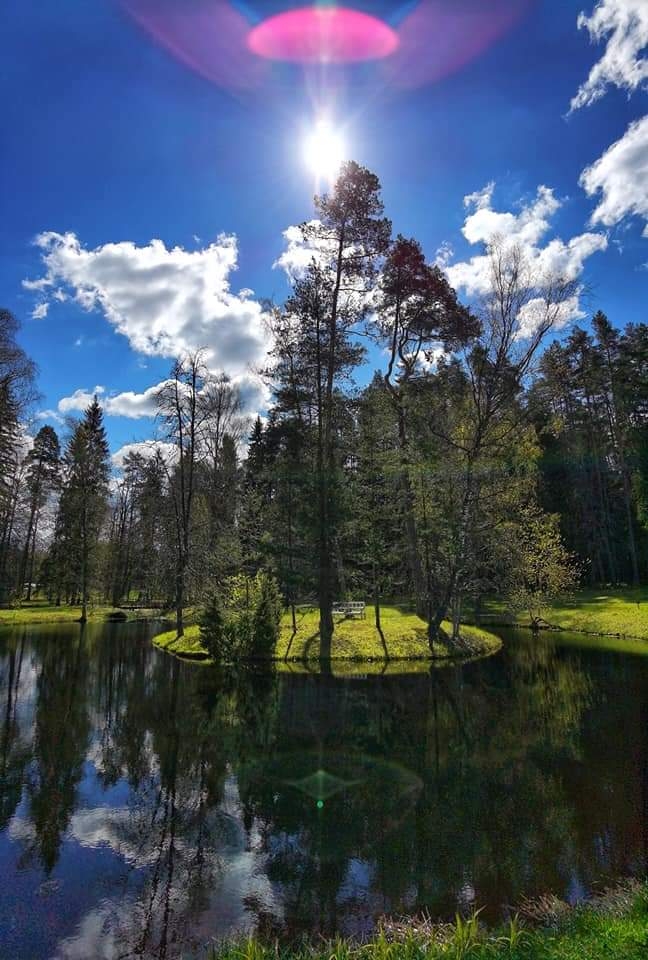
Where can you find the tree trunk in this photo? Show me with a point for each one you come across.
(84, 565)
(325, 601)
(411, 533)
(32, 558)
(180, 596)
(376, 591)
(25, 558)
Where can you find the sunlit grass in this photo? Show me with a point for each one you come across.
(355, 639)
(619, 612)
(38, 611)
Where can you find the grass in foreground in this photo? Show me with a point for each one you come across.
(613, 928)
(619, 612)
(354, 639)
(38, 611)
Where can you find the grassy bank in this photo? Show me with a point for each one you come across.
(404, 637)
(621, 612)
(35, 612)
(613, 928)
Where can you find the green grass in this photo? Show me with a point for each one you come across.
(621, 612)
(354, 640)
(38, 611)
(614, 928)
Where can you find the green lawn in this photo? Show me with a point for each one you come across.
(354, 639)
(616, 930)
(618, 612)
(38, 611)
(614, 612)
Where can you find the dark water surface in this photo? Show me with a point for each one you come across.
(147, 806)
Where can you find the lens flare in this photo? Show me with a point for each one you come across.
(323, 35)
(424, 41)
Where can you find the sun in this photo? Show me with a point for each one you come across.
(324, 151)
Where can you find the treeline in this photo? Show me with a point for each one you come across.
(477, 461)
(591, 406)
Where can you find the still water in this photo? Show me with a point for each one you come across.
(148, 806)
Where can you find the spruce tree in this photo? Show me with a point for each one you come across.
(85, 495)
(267, 619)
(212, 624)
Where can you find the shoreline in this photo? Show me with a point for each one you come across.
(609, 926)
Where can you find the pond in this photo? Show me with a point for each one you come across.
(148, 806)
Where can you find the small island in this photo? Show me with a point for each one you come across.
(403, 639)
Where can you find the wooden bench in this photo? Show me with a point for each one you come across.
(350, 608)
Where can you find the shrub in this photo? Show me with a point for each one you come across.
(245, 622)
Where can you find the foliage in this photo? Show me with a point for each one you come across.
(543, 571)
(267, 619)
(212, 630)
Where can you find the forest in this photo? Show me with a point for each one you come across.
(414, 449)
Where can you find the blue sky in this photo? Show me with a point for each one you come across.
(110, 137)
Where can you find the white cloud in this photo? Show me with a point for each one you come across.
(253, 392)
(79, 401)
(50, 415)
(534, 313)
(147, 449)
(444, 255)
(625, 25)
(127, 404)
(526, 229)
(620, 176)
(299, 253)
(480, 198)
(133, 405)
(40, 311)
(165, 301)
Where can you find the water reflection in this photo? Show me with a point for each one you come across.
(146, 806)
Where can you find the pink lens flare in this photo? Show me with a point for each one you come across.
(207, 35)
(433, 39)
(439, 37)
(323, 35)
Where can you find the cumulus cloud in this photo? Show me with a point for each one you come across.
(79, 401)
(133, 405)
(127, 404)
(624, 23)
(165, 301)
(253, 392)
(300, 251)
(526, 229)
(620, 178)
(146, 449)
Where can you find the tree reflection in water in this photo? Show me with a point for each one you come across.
(148, 805)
